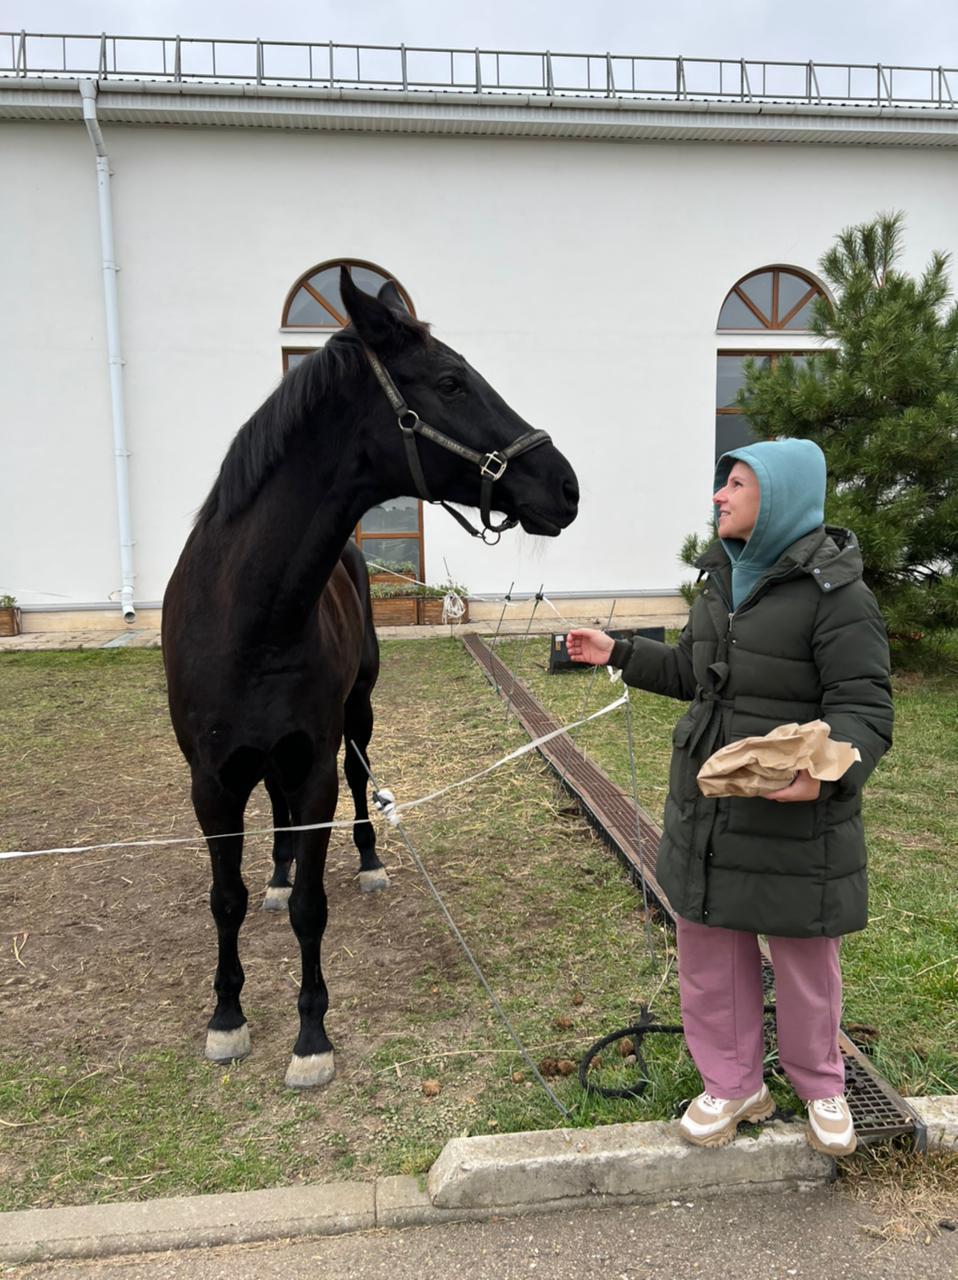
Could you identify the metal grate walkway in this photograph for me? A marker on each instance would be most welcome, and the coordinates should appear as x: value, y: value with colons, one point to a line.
x: 878, y: 1111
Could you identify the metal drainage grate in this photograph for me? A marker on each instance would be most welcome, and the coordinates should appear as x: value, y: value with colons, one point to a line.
x: 877, y: 1110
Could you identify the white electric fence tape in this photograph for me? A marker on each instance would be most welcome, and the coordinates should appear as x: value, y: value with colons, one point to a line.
x: 390, y: 810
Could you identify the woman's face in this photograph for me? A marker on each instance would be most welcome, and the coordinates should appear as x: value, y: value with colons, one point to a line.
x: 737, y: 502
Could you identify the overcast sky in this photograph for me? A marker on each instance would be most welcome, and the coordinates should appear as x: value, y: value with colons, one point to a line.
x: 902, y: 32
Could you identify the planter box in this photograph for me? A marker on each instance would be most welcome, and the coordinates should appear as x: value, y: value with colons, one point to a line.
x: 430, y: 611
x: 398, y: 612
x: 410, y: 611
x: 10, y: 621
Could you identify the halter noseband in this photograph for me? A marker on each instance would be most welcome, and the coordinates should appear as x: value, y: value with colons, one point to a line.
x: 492, y: 466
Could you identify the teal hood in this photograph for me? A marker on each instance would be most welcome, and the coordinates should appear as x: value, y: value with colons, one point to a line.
x: 791, y: 475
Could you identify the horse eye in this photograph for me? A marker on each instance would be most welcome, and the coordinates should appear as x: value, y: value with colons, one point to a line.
x: 449, y: 385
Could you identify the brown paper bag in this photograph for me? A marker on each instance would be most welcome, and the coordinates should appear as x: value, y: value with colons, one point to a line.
x: 757, y: 766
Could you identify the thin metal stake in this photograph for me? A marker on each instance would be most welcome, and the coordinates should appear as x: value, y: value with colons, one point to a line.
x: 515, y: 670
x: 465, y: 946
x: 638, y: 830
x: 595, y: 672
x: 505, y: 604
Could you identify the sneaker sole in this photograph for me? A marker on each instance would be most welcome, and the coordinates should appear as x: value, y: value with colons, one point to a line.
x: 724, y: 1136
x: 815, y: 1142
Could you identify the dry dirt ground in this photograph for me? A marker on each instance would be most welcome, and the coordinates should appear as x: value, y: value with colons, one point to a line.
x: 106, y: 958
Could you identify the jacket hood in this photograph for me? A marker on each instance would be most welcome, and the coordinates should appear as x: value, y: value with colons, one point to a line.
x: 791, y: 476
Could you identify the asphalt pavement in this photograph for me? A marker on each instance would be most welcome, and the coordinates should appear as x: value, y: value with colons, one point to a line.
x: 821, y: 1234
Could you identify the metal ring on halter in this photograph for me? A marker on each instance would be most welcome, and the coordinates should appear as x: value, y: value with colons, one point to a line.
x: 494, y: 540
x: 401, y: 419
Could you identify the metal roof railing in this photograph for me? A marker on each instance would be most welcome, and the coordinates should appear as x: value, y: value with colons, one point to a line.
x: 408, y: 68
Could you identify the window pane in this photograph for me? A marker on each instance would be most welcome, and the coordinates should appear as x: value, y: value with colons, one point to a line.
x: 801, y: 319
x: 736, y: 315
x: 304, y: 309
x: 293, y: 358
x: 790, y: 289
x: 393, y: 551
x: 326, y: 284
x: 731, y: 432
x: 731, y: 376
x: 759, y: 289
x: 396, y: 515
x: 368, y: 281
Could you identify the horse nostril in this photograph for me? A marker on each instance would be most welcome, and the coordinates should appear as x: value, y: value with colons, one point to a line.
x: 570, y: 491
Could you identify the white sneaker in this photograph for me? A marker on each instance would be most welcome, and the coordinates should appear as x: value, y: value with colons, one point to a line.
x: 830, y: 1128
x: 712, y: 1122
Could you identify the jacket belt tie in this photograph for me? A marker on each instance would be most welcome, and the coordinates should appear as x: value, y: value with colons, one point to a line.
x: 706, y: 711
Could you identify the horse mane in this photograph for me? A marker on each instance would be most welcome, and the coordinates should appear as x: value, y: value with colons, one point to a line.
x: 260, y: 444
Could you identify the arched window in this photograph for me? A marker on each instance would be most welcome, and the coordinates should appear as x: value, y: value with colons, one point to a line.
x: 770, y: 298
x: 389, y: 534
x: 314, y: 301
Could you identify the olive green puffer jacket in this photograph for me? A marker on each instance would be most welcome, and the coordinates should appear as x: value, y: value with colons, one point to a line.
x: 808, y: 643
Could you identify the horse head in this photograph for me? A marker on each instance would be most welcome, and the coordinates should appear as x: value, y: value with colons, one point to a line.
x: 440, y: 422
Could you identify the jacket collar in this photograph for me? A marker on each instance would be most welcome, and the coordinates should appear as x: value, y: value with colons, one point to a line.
x: 829, y: 555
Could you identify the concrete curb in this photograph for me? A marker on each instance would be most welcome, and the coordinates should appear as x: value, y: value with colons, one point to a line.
x: 497, y: 1175
x: 939, y: 1114
x: 474, y: 1178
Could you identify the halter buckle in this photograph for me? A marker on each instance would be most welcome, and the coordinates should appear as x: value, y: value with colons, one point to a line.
x: 493, y: 466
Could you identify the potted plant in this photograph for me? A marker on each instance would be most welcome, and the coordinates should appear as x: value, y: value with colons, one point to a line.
x: 10, y: 618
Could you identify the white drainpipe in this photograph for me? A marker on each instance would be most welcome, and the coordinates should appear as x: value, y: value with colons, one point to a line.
x: 115, y: 358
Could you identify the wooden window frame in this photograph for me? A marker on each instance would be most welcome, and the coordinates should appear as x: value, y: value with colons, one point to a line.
x: 336, y: 321
x: 775, y: 323
x: 772, y: 355
x: 411, y: 535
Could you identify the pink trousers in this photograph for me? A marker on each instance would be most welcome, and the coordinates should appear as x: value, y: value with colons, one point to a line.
x: 720, y: 984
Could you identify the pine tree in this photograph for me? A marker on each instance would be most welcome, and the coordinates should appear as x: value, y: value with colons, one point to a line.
x: 882, y: 402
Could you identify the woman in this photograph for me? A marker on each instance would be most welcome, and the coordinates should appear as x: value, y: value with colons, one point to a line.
x: 783, y: 630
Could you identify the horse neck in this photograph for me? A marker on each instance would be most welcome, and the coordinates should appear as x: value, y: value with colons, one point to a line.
x: 285, y: 546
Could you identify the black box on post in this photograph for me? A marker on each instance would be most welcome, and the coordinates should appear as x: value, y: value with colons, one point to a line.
x: 559, y: 659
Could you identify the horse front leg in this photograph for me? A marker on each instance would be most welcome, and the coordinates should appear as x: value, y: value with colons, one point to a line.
x: 220, y: 811
x: 313, y: 1062
x: 359, y: 730
x: 284, y: 848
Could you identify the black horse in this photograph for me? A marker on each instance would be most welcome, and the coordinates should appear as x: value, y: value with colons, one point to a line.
x: 268, y: 642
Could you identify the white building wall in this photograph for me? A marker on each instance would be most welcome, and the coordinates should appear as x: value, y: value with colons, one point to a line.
x: 583, y: 279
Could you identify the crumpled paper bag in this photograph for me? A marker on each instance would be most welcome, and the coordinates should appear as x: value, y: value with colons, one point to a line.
x: 757, y: 766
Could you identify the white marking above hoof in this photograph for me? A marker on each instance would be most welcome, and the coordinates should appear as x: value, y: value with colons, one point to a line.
x: 228, y: 1046
x: 373, y: 881
x: 277, y: 899
x: 312, y: 1071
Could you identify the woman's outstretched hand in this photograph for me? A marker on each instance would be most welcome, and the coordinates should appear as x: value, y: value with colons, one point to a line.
x: 802, y: 787
x: 587, y: 645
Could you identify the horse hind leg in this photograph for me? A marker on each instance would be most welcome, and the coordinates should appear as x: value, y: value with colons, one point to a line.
x: 284, y: 847
x: 312, y: 1063
x: 358, y: 729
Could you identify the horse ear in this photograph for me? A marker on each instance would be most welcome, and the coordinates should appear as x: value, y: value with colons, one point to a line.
x: 375, y: 322
x: 393, y: 299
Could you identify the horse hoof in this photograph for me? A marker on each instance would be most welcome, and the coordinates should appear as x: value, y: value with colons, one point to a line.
x: 277, y: 899
x: 228, y: 1046
x: 373, y: 881
x: 311, y: 1071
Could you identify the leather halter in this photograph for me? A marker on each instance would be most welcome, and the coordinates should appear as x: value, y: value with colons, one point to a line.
x: 492, y: 466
